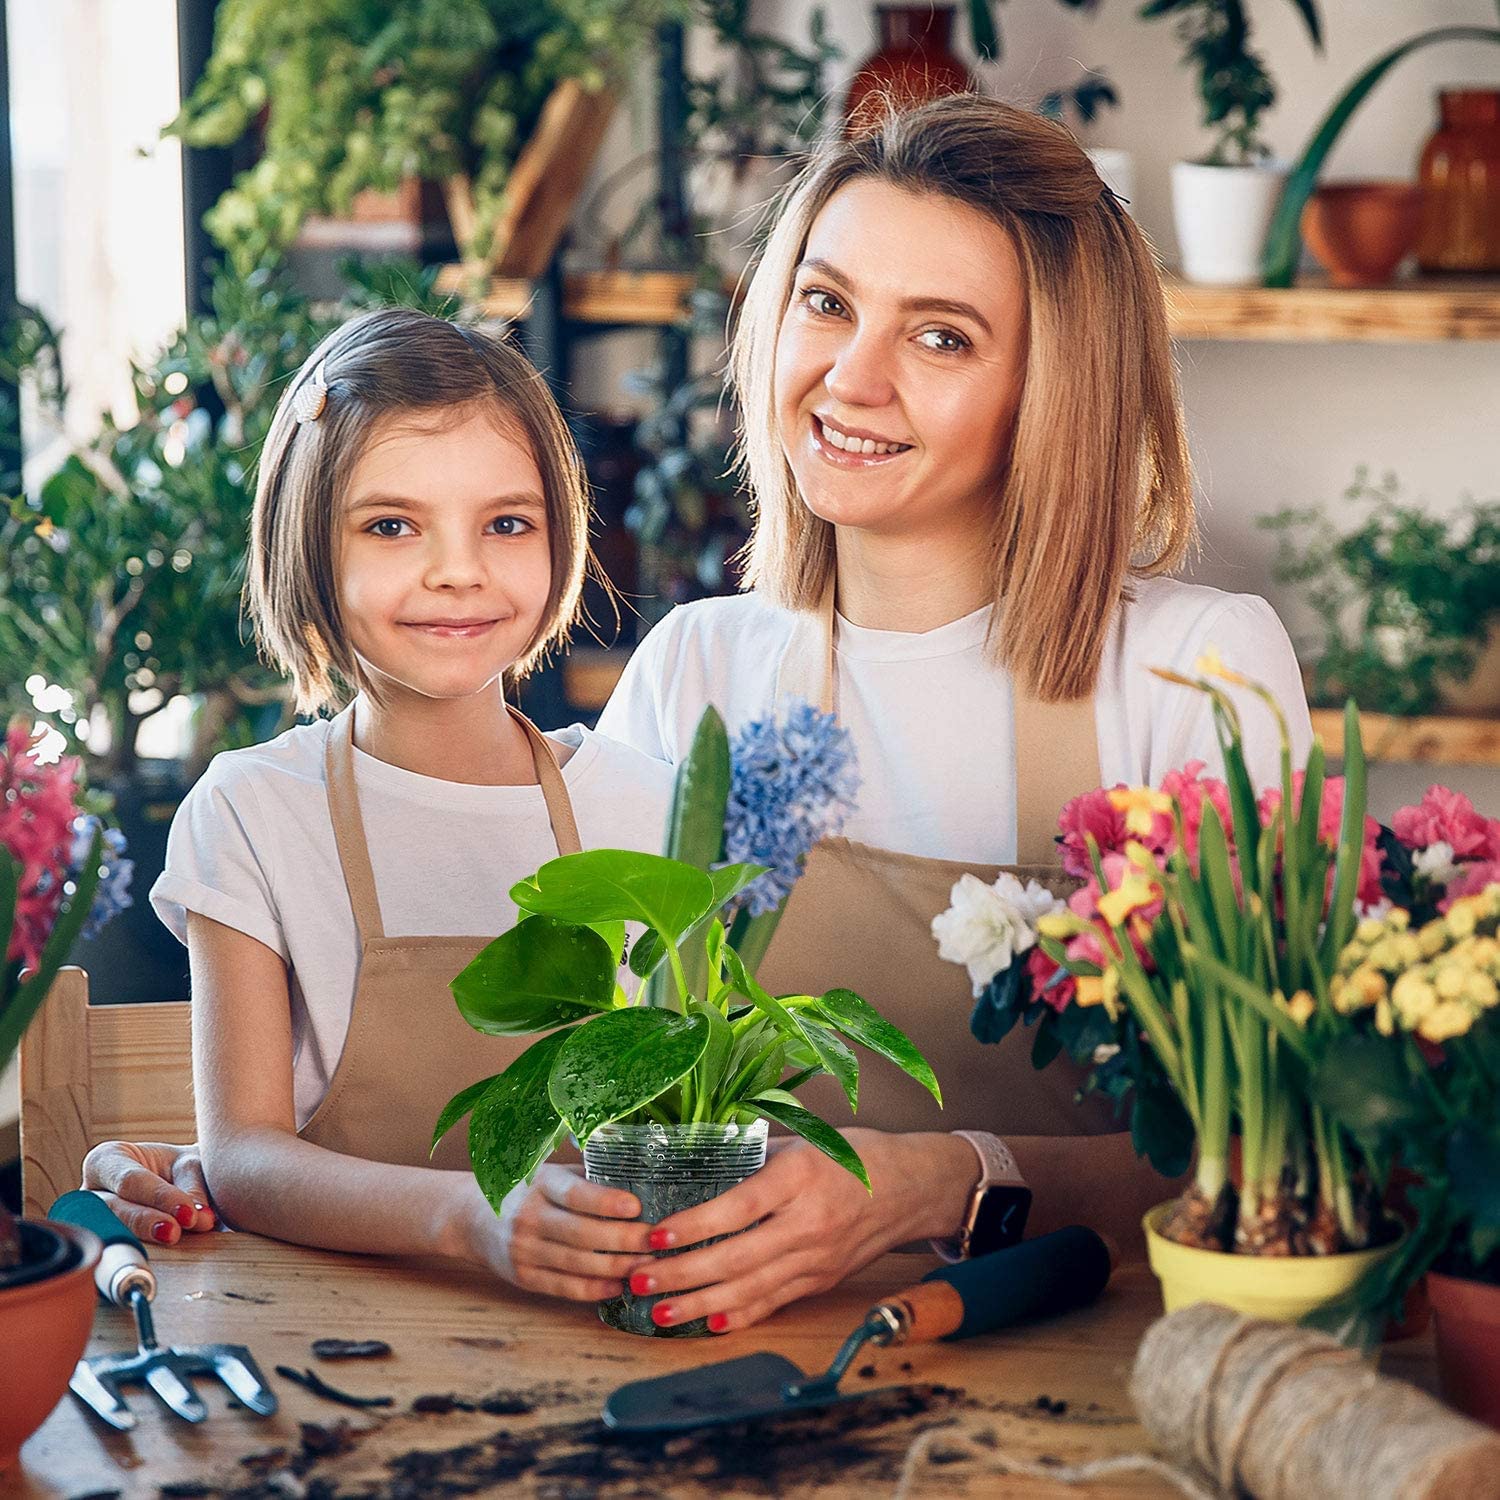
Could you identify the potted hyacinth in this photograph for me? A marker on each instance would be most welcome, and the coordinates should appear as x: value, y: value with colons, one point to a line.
x: 1191, y: 971
x: 1418, y: 1075
x: 671, y: 1095
x: 58, y: 870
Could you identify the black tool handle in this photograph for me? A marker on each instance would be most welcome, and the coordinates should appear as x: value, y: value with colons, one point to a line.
x: 1038, y: 1278
x: 89, y: 1211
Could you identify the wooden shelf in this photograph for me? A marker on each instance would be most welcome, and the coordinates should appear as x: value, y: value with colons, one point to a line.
x: 1415, y: 311
x: 646, y: 299
x: 1435, y: 740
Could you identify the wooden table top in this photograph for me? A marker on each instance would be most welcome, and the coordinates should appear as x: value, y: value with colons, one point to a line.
x: 543, y: 1368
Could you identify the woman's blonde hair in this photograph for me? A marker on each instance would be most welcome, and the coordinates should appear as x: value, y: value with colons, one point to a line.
x: 1097, y: 484
x: 399, y: 364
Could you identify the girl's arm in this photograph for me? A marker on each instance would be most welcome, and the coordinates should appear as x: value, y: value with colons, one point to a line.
x: 562, y: 1235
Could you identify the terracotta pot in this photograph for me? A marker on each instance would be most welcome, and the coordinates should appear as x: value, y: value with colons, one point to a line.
x: 1460, y: 170
x: 1467, y: 1314
x: 1479, y: 693
x: 915, y: 63
x: 44, y: 1326
x: 1361, y: 231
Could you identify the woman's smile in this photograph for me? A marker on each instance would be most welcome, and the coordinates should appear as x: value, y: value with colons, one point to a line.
x: 852, y: 448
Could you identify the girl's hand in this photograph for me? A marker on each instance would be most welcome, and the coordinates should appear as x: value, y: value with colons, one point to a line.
x: 157, y: 1191
x: 814, y: 1224
x: 560, y: 1235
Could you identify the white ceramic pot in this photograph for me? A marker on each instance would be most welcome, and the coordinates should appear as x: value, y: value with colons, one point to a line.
x: 1117, y: 168
x: 1222, y: 215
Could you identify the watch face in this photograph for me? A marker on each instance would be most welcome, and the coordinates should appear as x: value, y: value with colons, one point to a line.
x: 1001, y: 1219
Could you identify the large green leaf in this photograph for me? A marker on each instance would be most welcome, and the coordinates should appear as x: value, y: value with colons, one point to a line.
x: 514, y: 1126
x: 836, y: 1057
x: 540, y: 974
x: 1474, y: 1165
x: 1362, y: 1081
x: 813, y: 1130
x: 616, y: 1064
x: 604, y: 885
x: 714, y: 1063
x: 646, y: 952
x: 862, y: 1023
x: 457, y: 1107
x: 700, y: 793
x: 1284, y: 242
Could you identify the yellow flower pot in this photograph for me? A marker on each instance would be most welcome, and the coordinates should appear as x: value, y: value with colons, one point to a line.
x: 1282, y: 1288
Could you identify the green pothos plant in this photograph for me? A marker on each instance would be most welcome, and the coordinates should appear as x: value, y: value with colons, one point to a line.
x: 719, y: 1048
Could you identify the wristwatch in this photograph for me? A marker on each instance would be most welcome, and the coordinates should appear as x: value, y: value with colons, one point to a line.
x: 998, y: 1205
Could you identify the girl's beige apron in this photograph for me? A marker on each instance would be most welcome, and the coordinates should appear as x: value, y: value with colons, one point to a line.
x: 408, y: 1050
x: 860, y: 918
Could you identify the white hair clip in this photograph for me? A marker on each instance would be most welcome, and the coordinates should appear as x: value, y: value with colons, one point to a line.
x: 308, y: 403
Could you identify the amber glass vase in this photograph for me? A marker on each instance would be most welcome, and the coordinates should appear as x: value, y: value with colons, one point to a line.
x: 915, y: 63
x: 1460, y: 176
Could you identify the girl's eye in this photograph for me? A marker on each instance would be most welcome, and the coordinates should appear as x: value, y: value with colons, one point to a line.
x: 945, y: 341
x: 512, y: 525
x: 824, y: 303
x: 377, y: 528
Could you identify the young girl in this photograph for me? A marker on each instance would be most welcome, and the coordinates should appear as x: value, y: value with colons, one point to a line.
x: 419, y: 534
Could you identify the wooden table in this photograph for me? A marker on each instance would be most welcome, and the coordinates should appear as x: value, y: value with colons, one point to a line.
x: 459, y: 1332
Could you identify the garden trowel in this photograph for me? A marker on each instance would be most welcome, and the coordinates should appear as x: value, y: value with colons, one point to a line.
x: 1051, y: 1274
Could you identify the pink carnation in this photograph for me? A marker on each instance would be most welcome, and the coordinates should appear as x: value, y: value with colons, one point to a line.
x: 1448, y: 817
x: 1041, y: 967
x: 1470, y: 880
x: 1191, y: 789
x: 1093, y: 814
x: 1330, y: 814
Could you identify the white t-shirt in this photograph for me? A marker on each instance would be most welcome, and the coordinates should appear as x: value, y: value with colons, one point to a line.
x: 932, y: 716
x: 252, y: 847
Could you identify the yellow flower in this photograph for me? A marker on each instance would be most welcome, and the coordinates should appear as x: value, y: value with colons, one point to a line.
x: 1387, y: 955
x: 1301, y: 1007
x: 44, y: 528
x: 1485, y: 952
x: 1061, y: 925
x: 1449, y: 981
x: 1413, y: 997
x: 1134, y: 892
x: 1433, y: 938
x: 1385, y: 1022
x: 1140, y: 804
x: 1463, y: 916
x: 1211, y: 664
x: 1370, y: 930
x: 1101, y: 989
x: 1451, y: 1018
x: 1481, y: 990
x: 1400, y: 919
x: 1364, y: 987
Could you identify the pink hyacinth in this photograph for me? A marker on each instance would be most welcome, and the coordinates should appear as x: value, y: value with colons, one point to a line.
x: 1330, y: 813
x: 37, y: 808
x: 1447, y: 817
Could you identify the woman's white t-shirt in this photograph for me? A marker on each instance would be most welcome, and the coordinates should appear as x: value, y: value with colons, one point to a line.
x: 252, y: 847
x: 932, y: 716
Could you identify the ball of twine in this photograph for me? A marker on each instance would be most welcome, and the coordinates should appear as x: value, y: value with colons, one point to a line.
x: 1283, y: 1413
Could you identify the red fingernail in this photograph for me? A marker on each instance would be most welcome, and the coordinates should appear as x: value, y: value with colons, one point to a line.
x: 718, y: 1322
x: 661, y: 1239
x: 642, y: 1284
x: 161, y: 1232
x: 663, y: 1313
x: 184, y: 1215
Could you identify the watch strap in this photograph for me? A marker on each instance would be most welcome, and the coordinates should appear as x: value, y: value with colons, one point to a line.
x: 997, y: 1166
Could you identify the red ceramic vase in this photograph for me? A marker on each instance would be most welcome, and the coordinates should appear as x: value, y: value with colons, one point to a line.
x: 1460, y: 175
x: 1467, y: 1314
x: 915, y: 63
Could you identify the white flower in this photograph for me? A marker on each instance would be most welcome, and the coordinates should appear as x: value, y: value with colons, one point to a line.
x: 1435, y: 862
x: 988, y: 926
x: 1374, y: 911
x: 1104, y: 1051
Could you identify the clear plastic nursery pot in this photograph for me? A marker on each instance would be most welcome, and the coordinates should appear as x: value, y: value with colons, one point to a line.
x: 669, y: 1168
x: 1282, y: 1288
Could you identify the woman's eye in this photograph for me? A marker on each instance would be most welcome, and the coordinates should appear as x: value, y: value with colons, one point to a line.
x: 823, y: 302
x: 377, y: 528
x: 512, y: 525
x: 945, y: 341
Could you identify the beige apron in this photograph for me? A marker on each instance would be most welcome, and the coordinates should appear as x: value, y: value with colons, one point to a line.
x: 860, y: 918
x: 408, y: 1050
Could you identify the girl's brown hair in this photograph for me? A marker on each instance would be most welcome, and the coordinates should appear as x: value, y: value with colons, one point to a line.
x: 1097, y: 484
x: 392, y: 363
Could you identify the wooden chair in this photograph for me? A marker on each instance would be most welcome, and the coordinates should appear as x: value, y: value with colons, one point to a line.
x: 91, y: 1073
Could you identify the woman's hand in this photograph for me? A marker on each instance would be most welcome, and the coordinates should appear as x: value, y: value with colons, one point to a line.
x: 814, y: 1224
x: 560, y: 1235
x: 157, y: 1191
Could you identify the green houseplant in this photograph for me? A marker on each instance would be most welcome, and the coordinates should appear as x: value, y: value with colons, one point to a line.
x: 665, y: 1092
x: 1406, y: 601
x: 355, y: 94
x: 1223, y: 201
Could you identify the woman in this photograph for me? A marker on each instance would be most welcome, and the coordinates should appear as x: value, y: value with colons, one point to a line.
x: 962, y: 432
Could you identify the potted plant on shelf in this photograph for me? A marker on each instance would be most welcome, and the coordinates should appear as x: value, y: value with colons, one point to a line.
x: 1223, y: 202
x: 1407, y: 603
x: 368, y: 97
x: 671, y: 1099
x: 1083, y: 100
x: 1192, y: 971
x: 58, y: 869
x: 1418, y: 1078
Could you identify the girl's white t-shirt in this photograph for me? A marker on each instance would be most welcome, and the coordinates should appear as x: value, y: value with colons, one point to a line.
x: 252, y: 847
x: 932, y: 716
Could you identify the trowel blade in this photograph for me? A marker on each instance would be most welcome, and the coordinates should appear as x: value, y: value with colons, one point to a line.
x: 734, y: 1390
